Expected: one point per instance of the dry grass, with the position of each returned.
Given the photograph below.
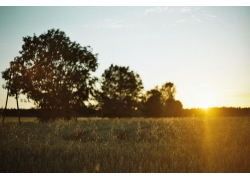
(127, 145)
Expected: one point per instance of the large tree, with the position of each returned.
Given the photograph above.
(121, 91)
(52, 71)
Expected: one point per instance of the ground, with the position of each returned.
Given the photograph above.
(206, 144)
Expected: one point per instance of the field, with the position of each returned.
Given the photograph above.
(126, 145)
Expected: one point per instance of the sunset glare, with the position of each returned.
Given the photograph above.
(203, 50)
(129, 87)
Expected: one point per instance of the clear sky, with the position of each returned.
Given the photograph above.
(204, 51)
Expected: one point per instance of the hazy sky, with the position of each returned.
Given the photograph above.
(204, 51)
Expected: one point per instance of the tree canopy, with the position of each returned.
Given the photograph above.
(171, 107)
(160, 102)
(121, 90)
(153, 104)
(52, 71)
(55, 73)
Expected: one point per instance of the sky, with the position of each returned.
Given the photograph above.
(203, 50)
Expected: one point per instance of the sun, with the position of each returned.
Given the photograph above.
(205, 105)
(207, 100)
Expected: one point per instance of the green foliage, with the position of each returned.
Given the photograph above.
(54, 72)
(121, 91)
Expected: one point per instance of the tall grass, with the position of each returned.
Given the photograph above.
(127, 145)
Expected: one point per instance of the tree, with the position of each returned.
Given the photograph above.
(54, 72)
(168, 91)
(161, 102)
(121, 90)
(171, 107)
(153, 104)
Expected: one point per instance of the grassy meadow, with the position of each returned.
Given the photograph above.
(126, 145)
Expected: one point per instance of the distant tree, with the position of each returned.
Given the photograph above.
(171, 107)
(153, 105)
(54, 72)
(121, 90)
(161, 102)
(168, 91)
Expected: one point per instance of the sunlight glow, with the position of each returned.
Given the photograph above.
(206, 100)
(205, 105)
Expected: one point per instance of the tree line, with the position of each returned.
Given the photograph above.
(92, 112)
(55, 73)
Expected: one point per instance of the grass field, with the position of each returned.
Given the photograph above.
(126, 145)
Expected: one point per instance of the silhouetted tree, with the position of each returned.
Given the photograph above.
(54, 72)
(153, 105)
(168, 91)
(121, 90)
(171, 107)
(161, 102)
